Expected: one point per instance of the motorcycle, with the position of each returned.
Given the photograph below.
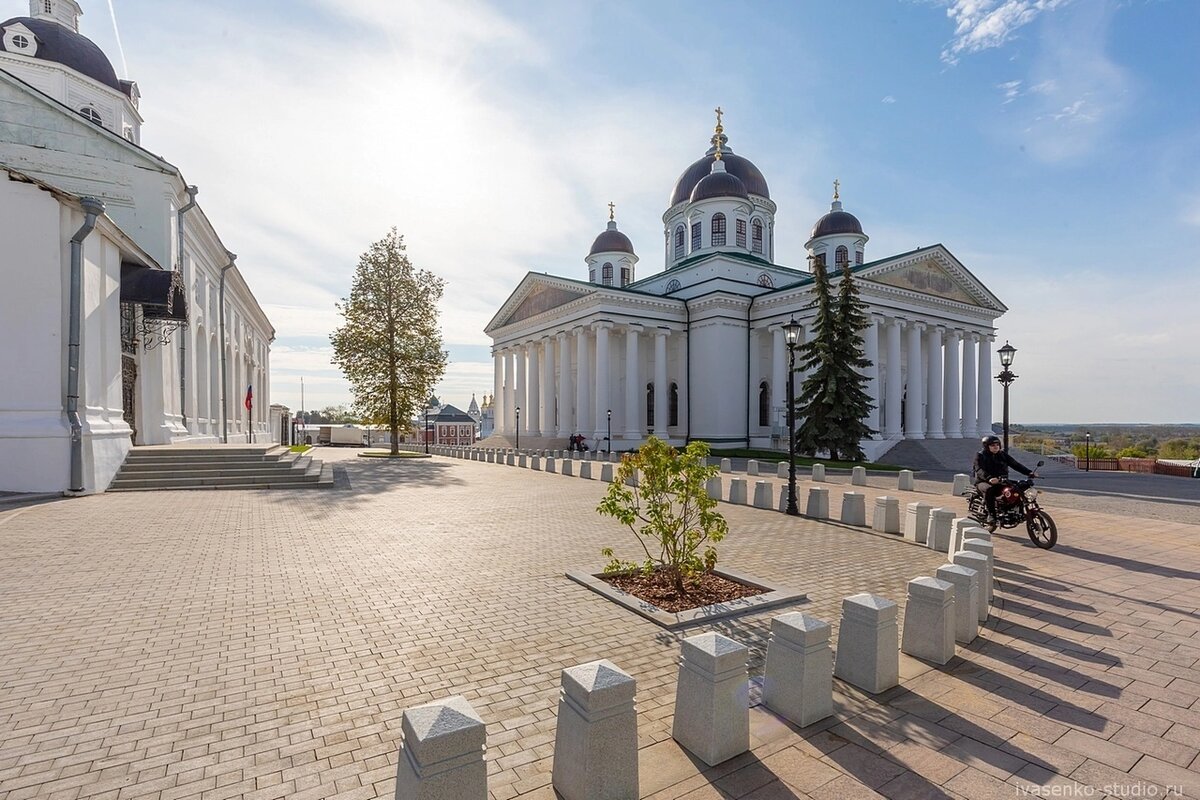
(1016, 504)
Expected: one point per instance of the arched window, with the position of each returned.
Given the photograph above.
(858, 256)
(841, 255)
(718, 230)
(764, 404)
(626, 276)
(756, 244)
(740, 227)
(695, 236)
(650, 405)
(679, 251)
(672, 286)
(673, 405)
(765, 280)
(606, 273)
(91, 114)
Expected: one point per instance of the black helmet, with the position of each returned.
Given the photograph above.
(990, 440)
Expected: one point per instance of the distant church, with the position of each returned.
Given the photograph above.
(697, 351)
(121, 307)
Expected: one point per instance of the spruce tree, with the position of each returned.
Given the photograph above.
(854, 404)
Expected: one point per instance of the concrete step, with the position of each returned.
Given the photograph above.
(264, 466)
(209, 482)
(219, 467)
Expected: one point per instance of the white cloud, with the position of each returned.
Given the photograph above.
(889, 100)
(1011, 90)
(985, 24)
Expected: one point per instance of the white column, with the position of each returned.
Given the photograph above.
(871, 352)
(914, 410)
(603, 399)
(779, 363)
(933, 398)
(534, 393)
(582, 371)
(970, 411)
(549, 425)
(985, 385)
(895, 380)
(519, 392)
(660, 382)
(633, 382)
(498, 390)
(566, 388)
(510, 378)
(951, 387)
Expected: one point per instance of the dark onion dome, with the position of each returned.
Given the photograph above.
(64, 46)
(743, 168)
(611, 241)
(719, 183)
(836, 221)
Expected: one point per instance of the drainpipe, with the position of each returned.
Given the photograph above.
(191, 203)
(687, 359)
(92, 208)
(749, 338)
(224, 368)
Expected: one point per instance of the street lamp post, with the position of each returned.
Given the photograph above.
(427, 431)
(1087, 451)
(791, 333)
(1006, 377)
(518, 429)
(608, 438)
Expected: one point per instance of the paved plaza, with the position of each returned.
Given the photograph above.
(263, 644)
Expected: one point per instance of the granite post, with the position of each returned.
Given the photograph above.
(929, 620)
(712, 701)
(867, 654)
(595, 744)
(442, 752)
(798, 677)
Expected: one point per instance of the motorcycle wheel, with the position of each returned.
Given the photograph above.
(1042, 530)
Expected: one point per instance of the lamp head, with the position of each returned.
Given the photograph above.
(1006, 354)
(791, 332)
(610, 413)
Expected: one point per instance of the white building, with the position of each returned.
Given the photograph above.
(117, 340)
(697, 351)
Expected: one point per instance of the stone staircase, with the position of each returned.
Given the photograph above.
(250, 466)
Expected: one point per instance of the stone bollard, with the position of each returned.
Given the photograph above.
(523, 460)
(867, 654)
(940, 520)
(929, 620)
(783, 495)
(887, 515)
(818, 503)
(781, 471)
(957, 527)
(585, 469)
(567, 467)
(962, 485)
(726, 465)
(763, 493)
(713, 488)
(906, 483)
(818, 472)
(606, 473)
(854, 508)
(988, 550)
(737, 491)
(978, 563)
(535, 462)
(966, 600)
(595, 744)
(511, 460)
(614, 458)
(550, 464)
(751, 467)
(798, 677)
(712, 698)
(634, 480)
(858, 476)
(916, 523)
(442, 752)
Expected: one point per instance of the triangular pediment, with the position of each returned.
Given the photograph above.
(537, 295)
(933, 271)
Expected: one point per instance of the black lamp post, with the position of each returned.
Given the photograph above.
(427, 430)
(1006, 378)
(1087, 451)
(518, 429)
(791, 333)
(609, 437)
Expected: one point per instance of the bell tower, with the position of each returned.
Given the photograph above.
(64, 12)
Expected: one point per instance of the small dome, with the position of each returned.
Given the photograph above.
(719, 183)
(742, 168)
(64, 46)
(835, 222)
(611, 241)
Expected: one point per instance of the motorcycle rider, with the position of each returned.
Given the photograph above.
(991, 471)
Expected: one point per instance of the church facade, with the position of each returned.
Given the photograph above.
(126, 319)
(697, 351)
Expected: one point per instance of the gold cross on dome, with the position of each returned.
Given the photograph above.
(836, 184)
(719, 113)
(610, 211)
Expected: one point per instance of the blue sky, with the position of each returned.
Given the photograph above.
(1051, 145)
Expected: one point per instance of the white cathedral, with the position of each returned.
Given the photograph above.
(121, 309)
(697, 351)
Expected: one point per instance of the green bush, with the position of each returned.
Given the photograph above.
(669, 510)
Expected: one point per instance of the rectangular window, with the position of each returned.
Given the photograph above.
(624, 276)
(819, 259)
(606, 274)
(679, 242)
(858, 256)
(756, 237)
(718, 231)
(741, 233)
(695, 236)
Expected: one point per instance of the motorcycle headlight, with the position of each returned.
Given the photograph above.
(1031, 494)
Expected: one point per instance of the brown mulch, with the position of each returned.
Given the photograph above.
(658, 588)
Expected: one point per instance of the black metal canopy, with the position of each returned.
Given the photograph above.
(159, 292)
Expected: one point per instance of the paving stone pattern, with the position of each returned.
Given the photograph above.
(263, 644)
